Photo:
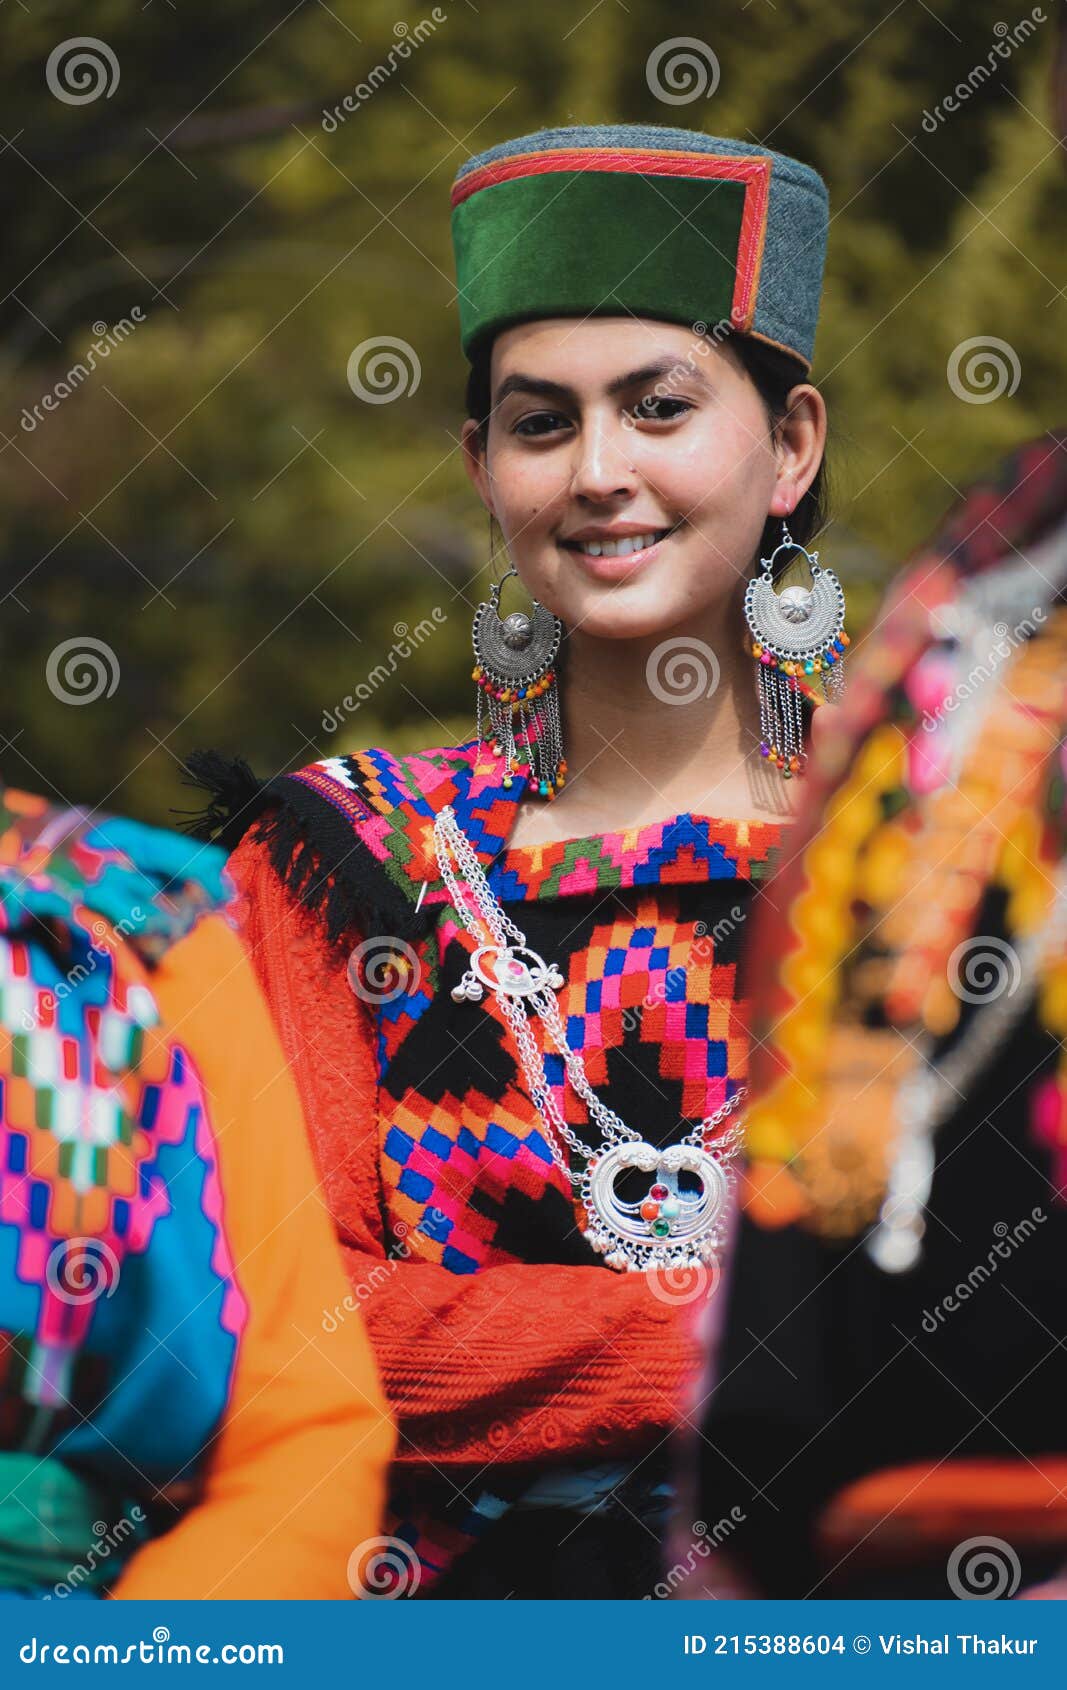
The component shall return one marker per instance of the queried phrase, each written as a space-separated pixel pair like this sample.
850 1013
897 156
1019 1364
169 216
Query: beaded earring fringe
525 720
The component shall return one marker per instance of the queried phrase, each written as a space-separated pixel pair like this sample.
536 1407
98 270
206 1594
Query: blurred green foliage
213 500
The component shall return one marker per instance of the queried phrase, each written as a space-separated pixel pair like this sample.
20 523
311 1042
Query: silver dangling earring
799 631
514 668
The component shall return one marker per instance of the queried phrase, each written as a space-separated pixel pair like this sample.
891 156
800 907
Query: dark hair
771 372
774 374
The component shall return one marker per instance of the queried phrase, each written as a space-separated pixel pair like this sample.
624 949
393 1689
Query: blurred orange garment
296 1479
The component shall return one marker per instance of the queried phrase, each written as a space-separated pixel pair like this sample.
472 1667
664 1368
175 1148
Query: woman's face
630 467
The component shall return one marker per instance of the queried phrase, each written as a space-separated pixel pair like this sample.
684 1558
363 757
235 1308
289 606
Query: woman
638 461
172 1416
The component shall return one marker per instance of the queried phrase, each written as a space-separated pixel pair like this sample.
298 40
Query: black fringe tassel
311 847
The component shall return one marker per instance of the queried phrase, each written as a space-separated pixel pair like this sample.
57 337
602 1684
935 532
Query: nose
602 468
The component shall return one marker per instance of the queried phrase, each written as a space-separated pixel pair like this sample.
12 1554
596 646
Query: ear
800 440
474 463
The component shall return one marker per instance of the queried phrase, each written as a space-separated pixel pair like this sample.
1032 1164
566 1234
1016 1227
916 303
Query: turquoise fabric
58 1532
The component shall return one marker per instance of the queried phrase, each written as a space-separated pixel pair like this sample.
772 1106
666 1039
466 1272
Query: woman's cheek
529 501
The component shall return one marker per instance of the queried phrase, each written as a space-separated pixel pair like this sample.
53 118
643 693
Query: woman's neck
657 727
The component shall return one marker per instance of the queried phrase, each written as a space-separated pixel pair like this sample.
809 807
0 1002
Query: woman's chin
628 615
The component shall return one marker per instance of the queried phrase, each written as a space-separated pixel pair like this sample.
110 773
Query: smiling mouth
618 548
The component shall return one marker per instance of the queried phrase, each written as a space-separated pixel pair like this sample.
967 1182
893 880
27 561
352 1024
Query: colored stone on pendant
649 1210
659 1192
661 1229
671 1209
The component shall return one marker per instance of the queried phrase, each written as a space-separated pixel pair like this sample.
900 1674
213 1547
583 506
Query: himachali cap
642 219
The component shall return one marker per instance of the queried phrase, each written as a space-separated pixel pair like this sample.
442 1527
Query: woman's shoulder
349 836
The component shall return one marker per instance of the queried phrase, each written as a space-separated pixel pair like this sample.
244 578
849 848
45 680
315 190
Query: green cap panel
592 243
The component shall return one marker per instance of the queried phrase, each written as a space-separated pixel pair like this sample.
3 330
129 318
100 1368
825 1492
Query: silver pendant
671 1226
667 1228
518 649
515 970
800 623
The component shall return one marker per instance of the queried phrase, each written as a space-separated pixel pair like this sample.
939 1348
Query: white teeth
617 548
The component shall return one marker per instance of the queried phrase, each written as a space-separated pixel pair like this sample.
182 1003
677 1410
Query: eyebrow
541 389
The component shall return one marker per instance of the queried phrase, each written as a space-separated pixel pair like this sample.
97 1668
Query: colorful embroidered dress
515 1361
165 1384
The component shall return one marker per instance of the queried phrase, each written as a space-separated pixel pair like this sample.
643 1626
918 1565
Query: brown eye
539 422
655 408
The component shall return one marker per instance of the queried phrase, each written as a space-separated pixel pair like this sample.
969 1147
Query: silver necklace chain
515 982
